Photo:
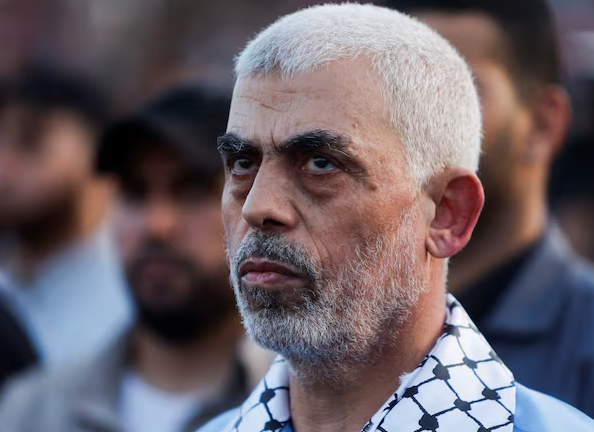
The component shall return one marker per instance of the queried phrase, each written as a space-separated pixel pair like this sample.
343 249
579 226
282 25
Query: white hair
427 87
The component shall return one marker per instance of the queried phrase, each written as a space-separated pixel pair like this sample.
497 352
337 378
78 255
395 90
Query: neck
348 405
41 239
502 233
205 363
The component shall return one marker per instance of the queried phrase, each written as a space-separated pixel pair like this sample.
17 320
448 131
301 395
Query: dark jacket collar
535 299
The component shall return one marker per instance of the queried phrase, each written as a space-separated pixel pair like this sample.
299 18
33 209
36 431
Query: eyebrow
311 140
232 143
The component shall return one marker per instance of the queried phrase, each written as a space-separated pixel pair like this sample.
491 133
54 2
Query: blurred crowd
116 312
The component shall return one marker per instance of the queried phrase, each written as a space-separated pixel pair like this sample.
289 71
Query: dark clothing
542 323
16 350
480 298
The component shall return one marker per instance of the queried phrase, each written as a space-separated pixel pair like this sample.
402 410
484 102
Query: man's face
505 117
171 240
45 160
321 219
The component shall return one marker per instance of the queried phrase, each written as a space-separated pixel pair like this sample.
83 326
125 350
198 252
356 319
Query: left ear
456 199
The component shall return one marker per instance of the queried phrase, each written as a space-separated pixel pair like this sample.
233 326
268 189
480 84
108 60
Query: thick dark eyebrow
231 143
318 139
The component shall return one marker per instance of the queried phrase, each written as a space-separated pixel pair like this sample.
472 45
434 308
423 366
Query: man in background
180 364
532 297
62 274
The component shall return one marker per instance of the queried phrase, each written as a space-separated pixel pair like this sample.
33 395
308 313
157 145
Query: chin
275 300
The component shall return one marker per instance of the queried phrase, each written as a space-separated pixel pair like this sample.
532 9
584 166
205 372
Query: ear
456 199
551 114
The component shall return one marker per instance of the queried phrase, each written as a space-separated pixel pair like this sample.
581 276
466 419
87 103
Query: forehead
476 36
342 97
152 159
156 162
23 115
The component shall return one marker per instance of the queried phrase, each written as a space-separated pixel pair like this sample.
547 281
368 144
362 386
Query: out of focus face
170 235
321 219
505 117
45 160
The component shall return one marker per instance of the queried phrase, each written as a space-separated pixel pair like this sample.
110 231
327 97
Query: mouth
157 267
265 273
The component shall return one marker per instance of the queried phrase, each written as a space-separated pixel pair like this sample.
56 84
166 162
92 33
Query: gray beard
345 320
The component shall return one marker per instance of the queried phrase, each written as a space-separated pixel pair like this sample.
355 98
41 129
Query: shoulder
578 284
219 423
537 412
557 260
40 390
571 286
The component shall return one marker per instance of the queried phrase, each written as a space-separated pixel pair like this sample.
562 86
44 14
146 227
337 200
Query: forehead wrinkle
263 104
280 94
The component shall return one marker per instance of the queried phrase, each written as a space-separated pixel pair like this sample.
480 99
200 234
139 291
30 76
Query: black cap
187 118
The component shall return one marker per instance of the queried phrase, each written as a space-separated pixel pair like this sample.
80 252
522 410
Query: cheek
202 237
50 175
496 112
127 225
235 227
499 105
337 237
68 159
363 223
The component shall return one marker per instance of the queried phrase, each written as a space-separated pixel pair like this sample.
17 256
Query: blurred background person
62 275
519 280
572 194
182 362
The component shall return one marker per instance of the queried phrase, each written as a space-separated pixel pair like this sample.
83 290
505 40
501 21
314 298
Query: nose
268 205
162 220
9 165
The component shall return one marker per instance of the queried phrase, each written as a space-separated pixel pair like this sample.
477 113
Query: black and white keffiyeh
461 386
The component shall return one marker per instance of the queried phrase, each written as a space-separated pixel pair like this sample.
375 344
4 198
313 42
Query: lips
267 273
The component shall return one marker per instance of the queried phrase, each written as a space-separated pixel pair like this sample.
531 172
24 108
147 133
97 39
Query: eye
242 166
319 164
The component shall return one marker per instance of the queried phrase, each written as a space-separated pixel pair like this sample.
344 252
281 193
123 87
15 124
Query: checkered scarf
461 386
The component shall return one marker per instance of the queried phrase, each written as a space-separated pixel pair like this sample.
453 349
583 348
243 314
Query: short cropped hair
528 29
428 91
47 88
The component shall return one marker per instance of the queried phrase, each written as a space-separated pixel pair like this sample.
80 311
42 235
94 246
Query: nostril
271 222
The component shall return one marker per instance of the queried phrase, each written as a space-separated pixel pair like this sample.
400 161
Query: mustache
159 250
276 247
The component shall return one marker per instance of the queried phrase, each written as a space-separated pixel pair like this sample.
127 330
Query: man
518 278
62 274
179 365
350 155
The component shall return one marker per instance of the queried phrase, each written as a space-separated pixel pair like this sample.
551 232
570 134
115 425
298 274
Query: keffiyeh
461 386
